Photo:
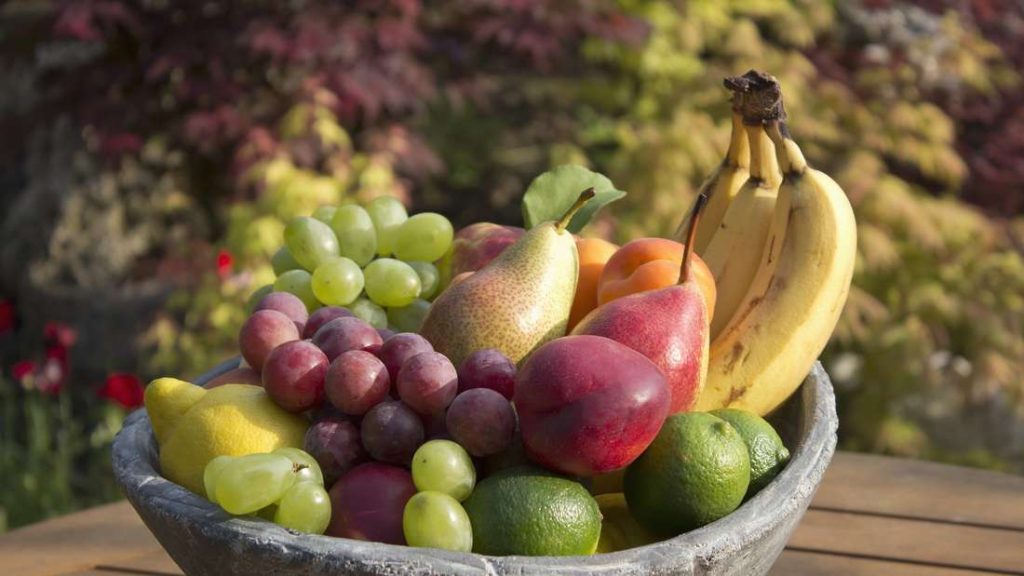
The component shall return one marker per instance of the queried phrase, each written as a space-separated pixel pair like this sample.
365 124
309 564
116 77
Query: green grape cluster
285 486
444 476
375 260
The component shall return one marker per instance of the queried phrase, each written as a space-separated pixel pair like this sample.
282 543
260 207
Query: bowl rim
134 451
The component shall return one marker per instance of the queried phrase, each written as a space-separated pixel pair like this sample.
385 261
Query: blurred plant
55 436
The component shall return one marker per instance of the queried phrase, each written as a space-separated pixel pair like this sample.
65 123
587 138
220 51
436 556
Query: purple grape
288 304
261 333
336 445
435 426
356 382
385 333
293 376
428 382
344 334
322 316
399 348
488 368
368 502
391 433
481 421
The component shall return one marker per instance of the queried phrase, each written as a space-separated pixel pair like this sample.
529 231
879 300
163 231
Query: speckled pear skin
519 301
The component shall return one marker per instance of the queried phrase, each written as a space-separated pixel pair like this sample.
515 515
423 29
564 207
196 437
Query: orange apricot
594 252
649 264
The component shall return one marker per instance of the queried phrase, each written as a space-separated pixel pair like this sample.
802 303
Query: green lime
768 455
532 512
696 471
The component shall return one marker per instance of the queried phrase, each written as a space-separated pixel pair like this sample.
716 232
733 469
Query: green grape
338 281
430 278
310 468
305 507
255 297
310 241
409 318
387 213
251 482
325 213
210 474
444 466
268 512
282 261
300 283
436 520
391 282
370 313
425 237
357 238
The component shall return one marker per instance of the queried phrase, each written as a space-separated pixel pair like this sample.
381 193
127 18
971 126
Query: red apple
589 405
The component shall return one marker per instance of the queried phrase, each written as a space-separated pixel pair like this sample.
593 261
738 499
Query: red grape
293 375
322 316
367 503
392 433
356 382
428 382
481 421
244 375
435 426
286 303
261 333
344 334
399 348
488 368
385 333
336 445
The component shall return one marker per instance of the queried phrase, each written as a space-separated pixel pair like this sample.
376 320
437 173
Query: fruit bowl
205 540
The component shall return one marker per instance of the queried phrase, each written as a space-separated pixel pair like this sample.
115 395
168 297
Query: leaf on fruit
552 193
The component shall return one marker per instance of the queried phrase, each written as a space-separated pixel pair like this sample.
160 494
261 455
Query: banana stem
738 153
791 158
691 234
585 197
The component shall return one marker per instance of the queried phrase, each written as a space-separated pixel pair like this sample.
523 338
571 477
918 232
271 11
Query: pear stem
585 197
691 234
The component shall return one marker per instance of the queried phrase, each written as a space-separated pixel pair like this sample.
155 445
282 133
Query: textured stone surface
204 540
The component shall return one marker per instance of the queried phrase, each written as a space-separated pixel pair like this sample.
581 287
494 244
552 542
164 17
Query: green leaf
552 193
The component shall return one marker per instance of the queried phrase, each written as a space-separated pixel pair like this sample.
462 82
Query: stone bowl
205 540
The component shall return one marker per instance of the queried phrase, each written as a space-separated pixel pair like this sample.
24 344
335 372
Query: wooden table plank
155 562
916 489
806 563
78 541
925 542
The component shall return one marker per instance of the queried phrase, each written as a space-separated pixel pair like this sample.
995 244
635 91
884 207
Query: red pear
668 325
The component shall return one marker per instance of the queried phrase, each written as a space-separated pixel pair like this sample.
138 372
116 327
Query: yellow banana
796 298
721 187
734 253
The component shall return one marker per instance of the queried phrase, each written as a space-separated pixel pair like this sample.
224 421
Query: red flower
6 315
124 389
59 335
224 263
51 378
22 369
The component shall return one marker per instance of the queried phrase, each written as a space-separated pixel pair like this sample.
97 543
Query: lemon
167 400
768 455
619 530
231 420
532 512
694 472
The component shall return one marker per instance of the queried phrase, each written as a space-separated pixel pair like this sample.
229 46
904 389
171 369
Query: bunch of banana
799 284
723 184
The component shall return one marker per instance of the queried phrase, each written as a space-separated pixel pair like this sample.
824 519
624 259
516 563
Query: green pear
515 303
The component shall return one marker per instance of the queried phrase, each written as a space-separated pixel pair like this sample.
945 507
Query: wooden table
872 515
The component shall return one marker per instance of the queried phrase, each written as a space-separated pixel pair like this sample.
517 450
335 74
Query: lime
696 471
768 455
619 530
532 512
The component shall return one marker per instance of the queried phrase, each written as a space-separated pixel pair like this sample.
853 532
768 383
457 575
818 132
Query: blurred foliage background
152 151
